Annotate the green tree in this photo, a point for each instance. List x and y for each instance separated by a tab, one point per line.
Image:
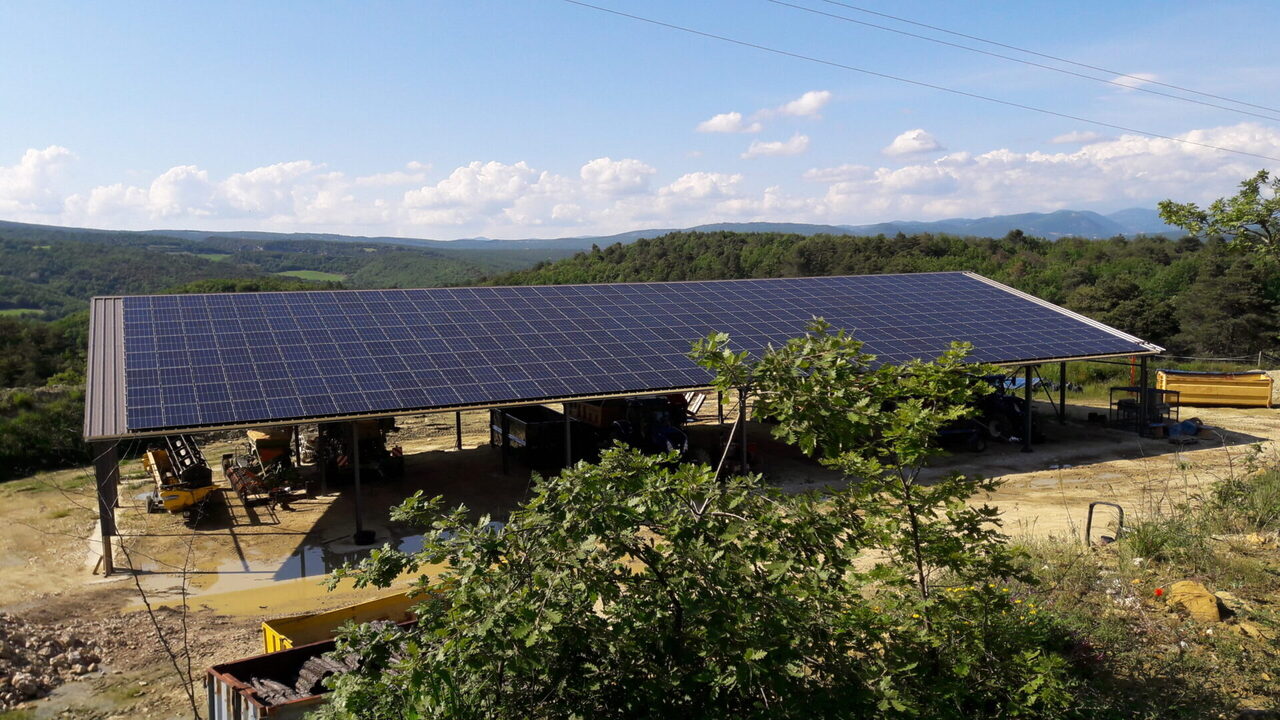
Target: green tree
877	424
636	588
1250	219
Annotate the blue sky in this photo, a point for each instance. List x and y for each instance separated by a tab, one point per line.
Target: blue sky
521	119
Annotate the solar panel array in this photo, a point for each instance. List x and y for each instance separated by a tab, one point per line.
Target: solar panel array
221	359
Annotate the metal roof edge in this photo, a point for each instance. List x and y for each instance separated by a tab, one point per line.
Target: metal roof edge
104	369
1152	347
399	412
559	285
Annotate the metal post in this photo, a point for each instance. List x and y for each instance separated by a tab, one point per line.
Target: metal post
1062	393
355	469
1026	411
324	459
457	431
106	466
297	446
568	436
720	407
506	439
742	422
1144	398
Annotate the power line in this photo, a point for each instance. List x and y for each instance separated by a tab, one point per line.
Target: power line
918	83
1117	73
1025	62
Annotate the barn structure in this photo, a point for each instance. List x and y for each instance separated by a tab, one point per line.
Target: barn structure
163	365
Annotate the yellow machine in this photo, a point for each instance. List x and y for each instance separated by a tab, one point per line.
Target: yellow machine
1218	389
284	633
183	482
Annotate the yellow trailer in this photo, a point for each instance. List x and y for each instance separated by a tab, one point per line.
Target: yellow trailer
284	633
1239	389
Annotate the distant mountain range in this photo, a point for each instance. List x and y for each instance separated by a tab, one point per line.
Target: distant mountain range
1062	223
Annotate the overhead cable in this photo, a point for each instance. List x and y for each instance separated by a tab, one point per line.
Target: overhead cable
918	83
1042	66
1117	73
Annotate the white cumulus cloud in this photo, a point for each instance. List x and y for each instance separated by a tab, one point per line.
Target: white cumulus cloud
807	105
730	122
1134	80
840	173
29	187
912	142
1077	137
606	195
414	173
701	185
1131	170
616	177
794	146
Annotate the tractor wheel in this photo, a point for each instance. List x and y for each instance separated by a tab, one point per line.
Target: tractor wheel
977	443
1000	427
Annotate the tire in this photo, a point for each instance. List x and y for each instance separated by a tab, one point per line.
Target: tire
977	443
999	427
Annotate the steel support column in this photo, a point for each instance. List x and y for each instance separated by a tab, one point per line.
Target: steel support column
1062	393
324	460
1026	410
506	441
568	436
360	535
1144	397
106	468
457	431
720	407
742	422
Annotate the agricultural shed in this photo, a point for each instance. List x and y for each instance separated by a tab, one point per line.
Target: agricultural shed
170	364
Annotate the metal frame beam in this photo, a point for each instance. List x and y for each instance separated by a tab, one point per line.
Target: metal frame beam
106	470
1026	409
415	412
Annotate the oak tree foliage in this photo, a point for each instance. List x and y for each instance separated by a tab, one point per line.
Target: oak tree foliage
638	587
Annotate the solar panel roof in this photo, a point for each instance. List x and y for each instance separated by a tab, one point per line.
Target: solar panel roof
215	360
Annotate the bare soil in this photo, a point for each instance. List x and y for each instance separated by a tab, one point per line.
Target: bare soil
243	565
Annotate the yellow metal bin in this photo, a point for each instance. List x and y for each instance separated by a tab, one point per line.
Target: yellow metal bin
1239	389
286	632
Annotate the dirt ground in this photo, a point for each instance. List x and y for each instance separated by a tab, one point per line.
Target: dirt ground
243	565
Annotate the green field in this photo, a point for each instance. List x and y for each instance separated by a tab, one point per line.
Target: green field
213	256
21	312
316	275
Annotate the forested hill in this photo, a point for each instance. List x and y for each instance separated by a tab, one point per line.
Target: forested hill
47	272
1188	296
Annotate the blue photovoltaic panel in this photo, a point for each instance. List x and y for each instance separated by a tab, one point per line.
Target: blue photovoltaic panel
208	360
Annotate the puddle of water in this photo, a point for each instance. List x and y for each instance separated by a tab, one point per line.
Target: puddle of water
320	559
308	560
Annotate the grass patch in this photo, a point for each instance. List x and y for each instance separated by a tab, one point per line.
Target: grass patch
1146	660
21	312
53	481
213	256
315	275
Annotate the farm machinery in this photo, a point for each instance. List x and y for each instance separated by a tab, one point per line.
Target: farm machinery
183	481
265	471
1003	414
651	424
999	415
335	449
